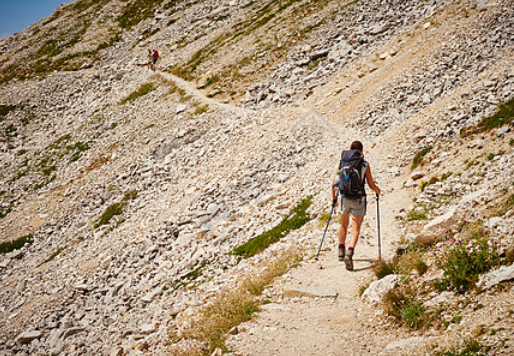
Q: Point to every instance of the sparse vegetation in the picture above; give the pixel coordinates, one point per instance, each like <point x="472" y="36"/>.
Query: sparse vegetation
<point x="8" y="246"/>
<point x="200" y="109"/>
<point x="503" y="116"/>
<point x="143" y="90"/>
<point x="115" y="209"/>
<point x="418" y="159"/>
<point x="296" y="218"/>
<point x="233" y="307"/>
<point x="4" y="211"/>
<point x="137" y="11"/>
<point x="505" y="206"/>
<point x="402" y="264"/>
<point x="54" y="255"/>
<point x="469" y="347"/>
<point x="6" y="109"/>
<point x="403" y="305"/>
<point x="467" y="260"/>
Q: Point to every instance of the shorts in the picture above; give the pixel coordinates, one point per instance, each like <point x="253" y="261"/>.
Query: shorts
<point x="154" y="60"/>
<point x="353" y="206"/>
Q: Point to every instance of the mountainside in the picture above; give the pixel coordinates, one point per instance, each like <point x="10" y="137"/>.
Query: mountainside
<point x="130" y="199"/>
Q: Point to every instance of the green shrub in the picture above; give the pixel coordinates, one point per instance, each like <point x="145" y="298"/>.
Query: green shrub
<point x="296" y="218"/>
<point x="418" y="159"/>
<point x="9" y="246"/>
<point x="466" y="261"/>
<point x="402" y="304"/>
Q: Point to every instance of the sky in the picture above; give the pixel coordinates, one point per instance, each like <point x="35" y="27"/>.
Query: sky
<point x="16" y="15"/>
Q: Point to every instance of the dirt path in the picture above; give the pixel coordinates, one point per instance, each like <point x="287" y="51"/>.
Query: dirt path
<point x="314" y="326"/>
<point x="344" y="325"/>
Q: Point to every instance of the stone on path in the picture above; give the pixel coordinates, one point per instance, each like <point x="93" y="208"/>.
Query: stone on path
<point x="493" y="278"/>
<point x="377" y="289"/>
<point x="404" y="343"/>
<point x="308" y="291"/>
<point x="27" y="336"/>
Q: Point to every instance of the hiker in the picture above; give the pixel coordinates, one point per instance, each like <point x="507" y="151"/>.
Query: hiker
<point x="149" y="59"/>
<point x="352" y="172"/>
<point x="155" y="57"/>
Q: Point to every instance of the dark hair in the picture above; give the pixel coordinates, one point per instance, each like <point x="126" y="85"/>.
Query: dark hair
<point x="357" y="145"/>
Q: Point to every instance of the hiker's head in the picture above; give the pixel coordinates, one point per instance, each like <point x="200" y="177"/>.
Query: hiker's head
<point x="357" y="145"/>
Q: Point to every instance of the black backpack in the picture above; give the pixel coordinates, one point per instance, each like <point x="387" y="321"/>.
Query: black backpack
<point x="351" y="177"/>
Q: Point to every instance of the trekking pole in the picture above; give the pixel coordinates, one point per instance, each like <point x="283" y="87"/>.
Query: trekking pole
<point x="326" y="227"/>
<point x="378" y="229"/>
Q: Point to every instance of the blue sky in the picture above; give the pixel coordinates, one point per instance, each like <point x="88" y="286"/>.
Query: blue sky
<point x="16" y="15"/>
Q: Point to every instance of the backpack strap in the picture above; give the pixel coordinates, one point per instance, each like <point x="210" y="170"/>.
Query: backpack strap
<point x="363" y="171"/>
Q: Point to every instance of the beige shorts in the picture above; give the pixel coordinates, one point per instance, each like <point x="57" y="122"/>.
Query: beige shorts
<point x="353" y="206"/>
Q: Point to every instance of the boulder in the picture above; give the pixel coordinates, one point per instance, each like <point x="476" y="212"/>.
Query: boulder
<point x="377" y="289"/>
<point x="435" y="230"/>
<point x="495" y="277"/>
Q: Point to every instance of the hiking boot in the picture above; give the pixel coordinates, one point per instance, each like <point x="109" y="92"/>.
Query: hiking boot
<point x="341" y="254"/>
<point x="348" y="260"/>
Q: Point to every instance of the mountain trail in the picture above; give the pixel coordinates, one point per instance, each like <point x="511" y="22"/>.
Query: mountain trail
<point x="315" y="326"/>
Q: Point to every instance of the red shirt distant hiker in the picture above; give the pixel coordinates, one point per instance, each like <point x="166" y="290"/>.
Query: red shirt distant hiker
<point x="155" y="57"/>
<point x="352" y="172"/>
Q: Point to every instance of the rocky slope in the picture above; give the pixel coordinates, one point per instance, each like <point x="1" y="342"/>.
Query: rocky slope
<point x="132" y="186"/>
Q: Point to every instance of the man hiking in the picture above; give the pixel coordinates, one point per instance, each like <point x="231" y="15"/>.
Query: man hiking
<point x="352" y="172"/>
<point x="155" y="57"/>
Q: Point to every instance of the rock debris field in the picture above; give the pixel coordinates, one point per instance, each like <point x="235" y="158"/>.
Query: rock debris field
<point x="129" y="189"/>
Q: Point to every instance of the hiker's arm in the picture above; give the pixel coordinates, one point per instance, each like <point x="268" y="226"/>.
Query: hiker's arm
<point x="334" y="196"/>
<point x="371" y="182"/>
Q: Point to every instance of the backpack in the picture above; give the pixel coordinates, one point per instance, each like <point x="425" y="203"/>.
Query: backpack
<point x="352" y="170"/>
<point x="155" y="55"/>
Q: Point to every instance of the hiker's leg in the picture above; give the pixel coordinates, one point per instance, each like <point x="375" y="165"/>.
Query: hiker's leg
<point x="343" y="228"/>
<point x="356" y="228"/>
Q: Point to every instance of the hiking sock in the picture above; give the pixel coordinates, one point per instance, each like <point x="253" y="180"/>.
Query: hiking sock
<point x="341" y="252"/>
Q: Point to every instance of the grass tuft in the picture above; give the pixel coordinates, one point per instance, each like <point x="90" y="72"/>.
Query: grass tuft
<point x="109" y="213"/>
<point x="143" y="90"/>
<point x="9" y="246"/>
<point x="296" y="218"/>
<point x="418" y="159"/>
<point x="503" y="116"/>
<point x="233" y="306"/>
<point x="402" y="304"/>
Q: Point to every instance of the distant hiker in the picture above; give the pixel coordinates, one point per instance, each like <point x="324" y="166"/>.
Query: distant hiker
<point x="149" y="59"/>
<point x="155" y="57"/>
<point x="352" y="172"/>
